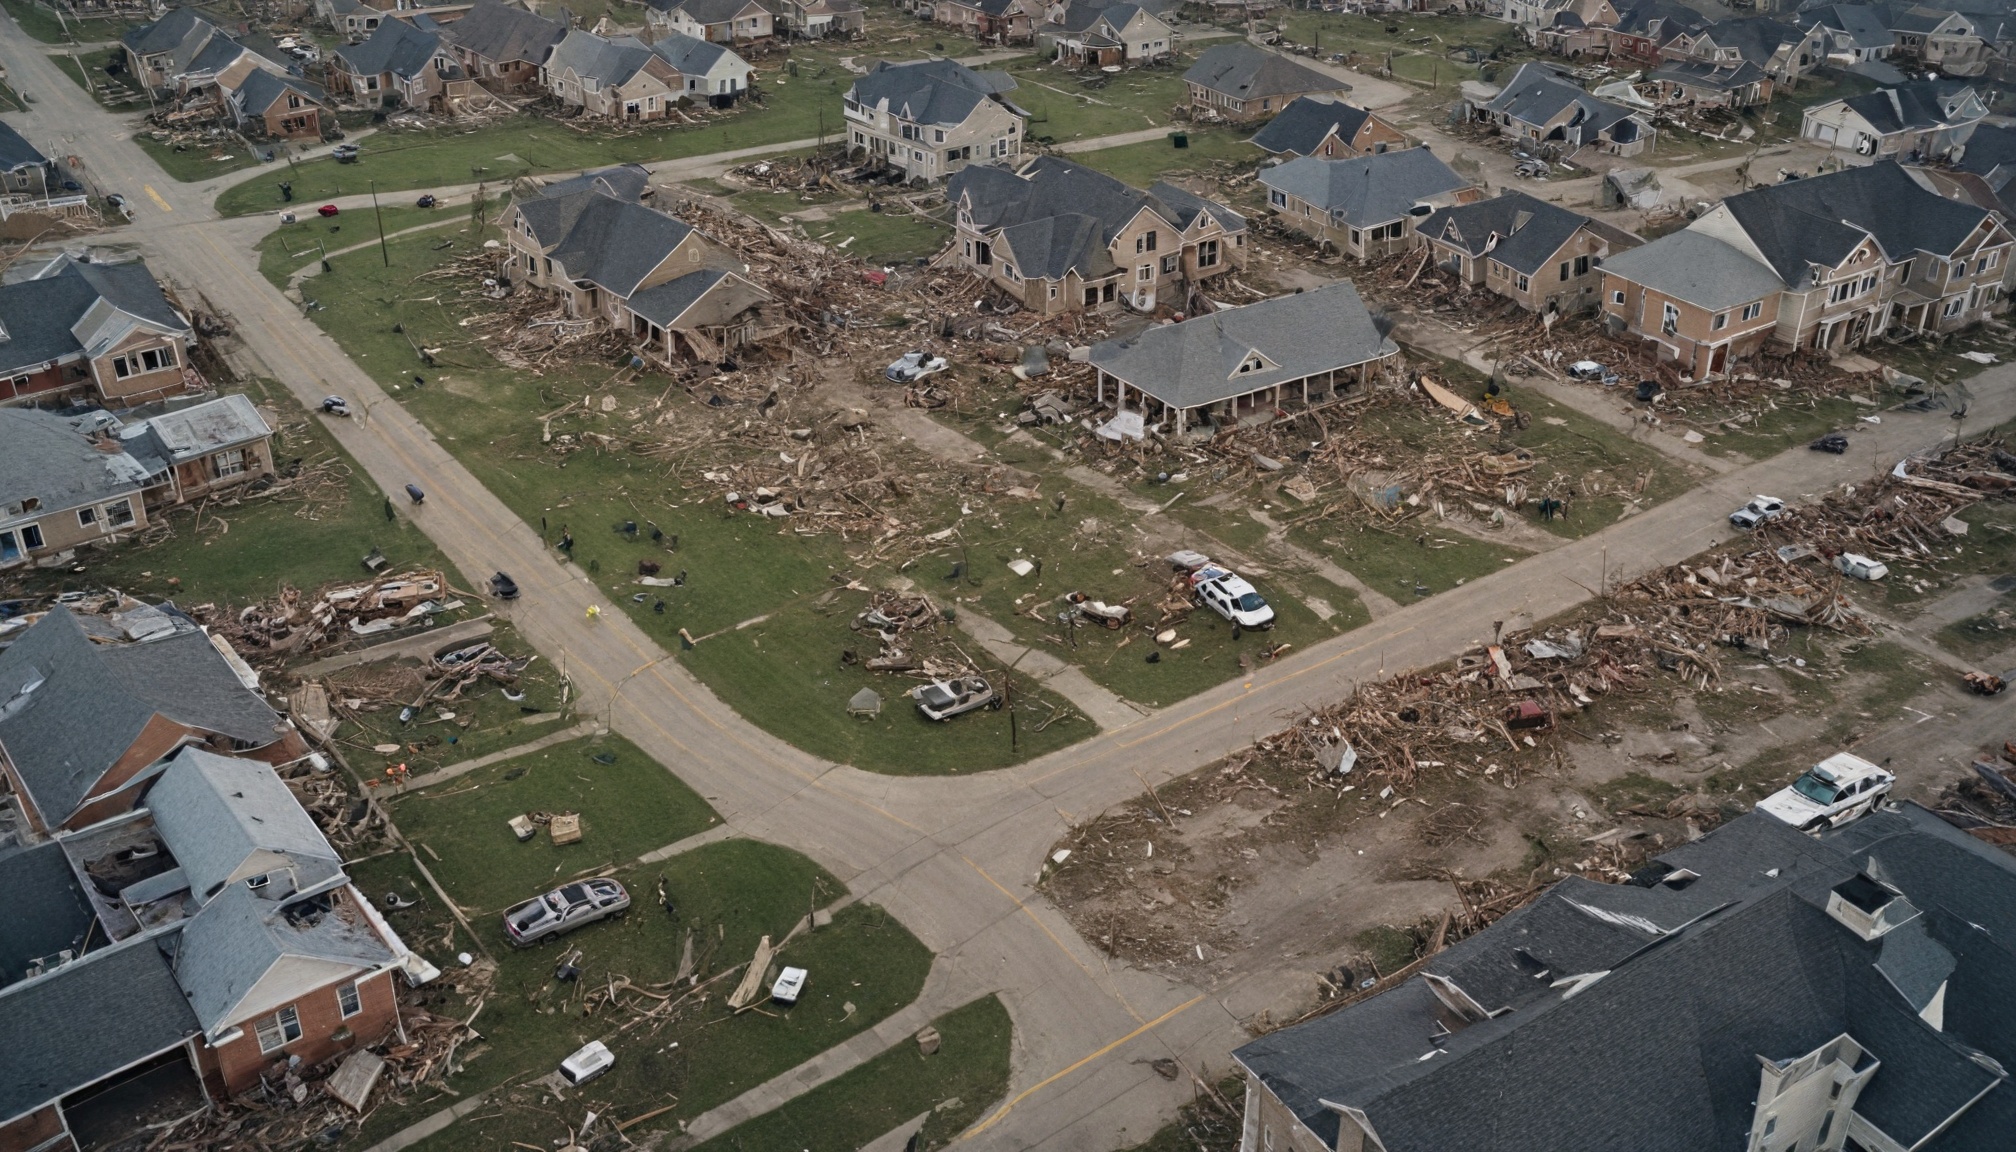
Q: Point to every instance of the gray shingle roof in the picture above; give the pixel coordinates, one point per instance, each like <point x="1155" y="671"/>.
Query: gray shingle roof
<point x="45" y="912"/>
<point x="1707" y="74"/>
<point x="90" y="702"/>
<point x="624" y="181"/>
<point x="226" y="820"/>
<point x="85" y="1021"/>
<point x="16" y="152"/>
<point x="592" y="57"/>
<point x="1912" y="107"/>
<point x="262" y="89"/>
<point x="1197" y="362"/>
<point x="1302" y="126"/>
<point x="1920" y="19"/>
<point x="704" y="11"/>
<point x="502" y="34"/>
<point x="239" y="937"/>
<point x="929" y="91"/>
<point x="1518" y="230"/>
<point x="1363" y="191"/>
<point x="1536" y="94"/>
<point x="1697" y="268"/>
<point x="37" y="315"/>
<point x="1757" y="38"/>
<point x="1058" y="215"/>
<point x="165" y="34"/>
<point x="1801" y="223"/>
<point x="1671" y="18"/>
<point x="691" y="55"/>
<point x="200" y="429"/>
<point x="1244" y="71"/>
<point x="395" y="47"/>
<point x="613" y="242"/>
<point x="708" y="297"/>
<point x="44" y="457"/>
<point x="1989" y="146"/>
<point x="1859" y="24"/>
<point x="1661" y="1054"/>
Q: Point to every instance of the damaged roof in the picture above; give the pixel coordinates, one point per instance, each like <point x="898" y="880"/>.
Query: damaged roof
<point x="1244" y="71"/>
<point x="708" y="298"/>
<point x="592" y="57"/>
<point x="1537" y="95"/>
<point x="929" y="91"/>
<point x="503" y="34"/>
<point x="1918" y="106"/>
<point x="262" y="89"/>
<point x="44" y="458"/>
<point x="1697" y="268"/>
<point x="596" y="236"/>
<point x="1818" y="221"/>
<point x="395" y="47"/>
<point x="244" y="955"/>
<point x="226" y="820"/>
<point x="1198" y="361"/>
<point x="1519" y="231"/>
<point x="200" y="429"/>
<point x="1365" y="190"/>
<point x="39" y="315"/>
<point x="1302" y="126"/>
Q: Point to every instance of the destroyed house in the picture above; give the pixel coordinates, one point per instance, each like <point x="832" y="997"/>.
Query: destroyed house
<point x="1855" y="32"/>
<point x="680" y="294"/>
<point x="1539" y="254"/>
<point x="716" y="21"/>
<point x="1922" y="121"/>
<point x="620" y="79"/>
<point x="198" y="946"/>
<point x="279" y="107"/>
<point x="1935" y="37"/>
<point x="502" y="47"/>
<point x="1539" y="106"/>
<point x="1643" y="27"/>
<point x="1758" y="988"/>
<point x="1779" y="50"/>
<point x="1318" y="126"/>
<point x="1270" y="356"/>
<point x="401" y="64"/>
<point x="818" y="19"/>
<point x="929" y="118"/>
<point x="1712" y="84"/>
<point x="91" y="706"/>
<point x="24" y="170"/>
<point x="82" y="330"/>
<point x="1242" y="81"/>
<point x="992" y="21"/>
<point x="1058" y="237"/>
<point x="189" y="56"/>
<point x="1091" y="35"/>
<point x="1365" y="206"/>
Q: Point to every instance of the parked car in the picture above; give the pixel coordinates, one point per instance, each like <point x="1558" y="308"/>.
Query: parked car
<point x="944" y="699"/>
<point x="1860" y="567"/>
<point x="912" y="366"/>
<point x="327" y="210"/>
<point x="1831" y="793"/>
<point x="588" y="1062"/>
<point x="564" y="909"/>
<point x="1226" y="593"/>
<point x="1757" y="511"/>
<point x="1835" y="442"/>
<point x="790" y="982"/>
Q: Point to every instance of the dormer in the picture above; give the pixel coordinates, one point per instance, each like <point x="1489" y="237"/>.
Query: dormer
<point x="1868" y="907"/>
<point x="1252" y="363"/>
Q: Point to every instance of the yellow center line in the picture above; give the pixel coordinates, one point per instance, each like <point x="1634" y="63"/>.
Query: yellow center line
<point x="1056" y="1076"/>
<point x="156" y="197"/>
<point x="1061" y="946"/>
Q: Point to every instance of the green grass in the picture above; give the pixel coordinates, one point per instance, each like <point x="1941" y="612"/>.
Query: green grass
<point x="1143" y="164"/>
<point x="728" y="894"/>
<point x="1062" y="107"/>
<point x="195" y="163"/>
<point x="628" y="807"/>
<point x="1989" y="634"/>
<point x="955" y="1085"/>
<point x="251" y="551"/>
<point x="42" y="23"/>
<point x="1788" y="422"/>
<point x="87" y="69"/>
<point x="1366" y="36"/>
<point x="875" y="237"/>
<point x="1408" y="560"/>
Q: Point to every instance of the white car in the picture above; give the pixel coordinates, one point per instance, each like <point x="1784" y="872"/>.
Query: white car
<point x="1225" y="593"/>
<point x="790" y="983"/>
<point x="944" y="699"/>
<point x="913" y="366"/>
<point x="1757" y="511"/>
<point x="1831" y="793"/>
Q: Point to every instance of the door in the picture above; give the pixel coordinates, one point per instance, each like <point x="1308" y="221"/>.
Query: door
<point x="10" y="548"/>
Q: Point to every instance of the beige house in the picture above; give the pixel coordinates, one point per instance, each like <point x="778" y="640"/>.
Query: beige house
<point x="502" y="47"/>
<point x="615" y="79"/>
<point x="1538" y="254"/>
<point x="1365" y="206"/>
<point x="79" y="330"/>
<point x="1702" y="302"/>
<point x="1089" y="35"/>
<point x="1319" y="126"/>
<point x="1060" y="237"/>
<point x="1241" y="81"/>
<point x="718" y="21"/>
<point x="930" y="118"/>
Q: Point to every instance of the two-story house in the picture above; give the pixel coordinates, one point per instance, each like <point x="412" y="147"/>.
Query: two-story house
<point x="1644" y="27"/>
<point x="279" y="107"/>
<point x="1060" y="237"/>
<point x="818" y="19"/>
<point x="1937" y="38"/>
<point x="1364" y="206"/>
<point x="1856" y="33"/>
<point x="1703" y="303"/>
<point x="1539" y="107"/>
<point x="930" y="118"/>
<point x="1093" y="35"/>
<point x="718" y="21"/>
<point x="991" y="21"/>
<point x="1540" y="255"/>
<point x="84" y="330"/>
<point x="709" y="73"/>
<point x="1318" y="126"/>
<point x="677" y="292"/>
<point x="1242" y="81"/>
<point x="620" y="79"/>
<point x="502" y="47"/>
<point x="1738" y="63"/>
<point x="1921" y="121"/>
<point x="402" y="64"/>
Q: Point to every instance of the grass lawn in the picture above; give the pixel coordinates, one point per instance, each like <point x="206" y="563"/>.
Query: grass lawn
<point x="1420" y="44"/>
<point x="248" y="552"/>
<point x="864" y="966"/>
<point x="1982" y="637"/>
<point x="628" y="807"/>
<point x="955" y="1085"/>
<point x="846" y="223"/>
<point x="189" y="164"/>
<point x="43" y="23"/>
<point x="1988" y="549"/>
<point x="117" y="93"/>
<point x="1785" y="423"/>
<point x="1064" y="105"/>
<point x="768" y="646"/>
<point x="1143" y="164"/>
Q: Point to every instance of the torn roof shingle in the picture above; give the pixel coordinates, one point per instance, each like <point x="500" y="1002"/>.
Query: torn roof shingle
<point x="1517" y="230"/>
<point x="229" y="948"/>
<point x="1537" y="94"/>
<point x="1364" y="191"/>
<point x="1302" y="126"/>
<point x="226" y="820"/>
<point x="1919" y="106"/>
<point x="1707" y="74"/>
<point x="929" y="91"/>
<point x="706" y="298"/>
<point x="1697" y="268"/>
<point x="1244" y="71"/>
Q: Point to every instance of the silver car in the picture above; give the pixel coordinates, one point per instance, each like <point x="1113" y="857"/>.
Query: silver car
<point x="944" y="699"/>
<point x="564" y="909"/>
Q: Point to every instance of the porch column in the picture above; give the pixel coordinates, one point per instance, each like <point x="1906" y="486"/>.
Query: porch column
<point x="1181" y="421"/>
<point x="1102" y="385"/>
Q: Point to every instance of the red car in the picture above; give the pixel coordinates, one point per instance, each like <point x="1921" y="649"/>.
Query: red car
<point x="326" y="210"/>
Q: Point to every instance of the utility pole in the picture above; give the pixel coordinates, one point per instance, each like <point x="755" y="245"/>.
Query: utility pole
<point x="383" y="252"/>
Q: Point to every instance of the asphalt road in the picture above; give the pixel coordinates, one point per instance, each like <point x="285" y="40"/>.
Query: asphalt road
<point x="955" y="859"/>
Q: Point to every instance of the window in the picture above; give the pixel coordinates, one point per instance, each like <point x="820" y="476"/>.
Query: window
<point x="119" y="515"/>
<point x="348" y="1002"/>
<point x="1868" y="282"/>
<point x="531" y="265"/>
<point x="1617" y="297"/>
<point x="1990" y="293"/>
<point x="1145" y="243"/>
<point x="1954" y="306"/>
<point x="937" y="135"/>
<point x="1981" y="265"/>
<point x="278" y="1030"/>
<point x="1770" y="1125"/>
<point x="1752" y="311"/>
<point x="1720" y="322"/>
<point x="968" y="249"/>
<point x="1008" y="270"/>
<point x="1564" y="269"/>
<point x="1904" y="274"/>
<point x="1053" y="291"/>
<point x="1826" y="1125"/>
<point x="31" y="536"/>
<point x="1520" y="281"/>
<point x="1169" y="265"/>
<point x="1144" y="273"/>
<point x="86" y="517"/>
<point x="1207" y="254"/>
<point x="1840" y="292"/>
<point x="1091" y="296"/>
<point x="1669" y="321"/>
<point x="229" y="462"/>
<point x="147" y="360"/>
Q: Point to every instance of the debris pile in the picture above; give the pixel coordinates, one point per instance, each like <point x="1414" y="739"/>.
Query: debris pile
<point x="291" y="625"/>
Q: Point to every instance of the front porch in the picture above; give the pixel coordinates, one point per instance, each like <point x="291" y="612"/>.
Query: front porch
<point x="1287" y="398"/>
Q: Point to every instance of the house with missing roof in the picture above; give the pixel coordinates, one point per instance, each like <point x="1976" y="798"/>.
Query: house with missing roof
<point x="1758" y="988"/>
<point x="1951" y="42"/>
<point x="678" y="293"/>
<point x="929" y="118"/>
<point x="1538" y="254"/>
<point x="1539" y="107"/>
<point x="1319" y="126"/>
<point x="197" y="68"/>
<point x="1094" y="35"/>
<point x="991" y="21"/>
<point x="1779" y="51"/>
<point x="818" y="19"/>
<point x="502" y="47"/>
<point x="85" y="481"/>
<point x="202" y="943"/>
<point x="402" y="65"/>
<point x="716" y="21"/>
<point x="84" y="330"/>
<point x="1921" y="121"/>
<point x="1364" y="206"/>
<point x="1281" y="354"/>
<point x="619" y="79"/>
<point x="1060" y="237"/>
<point x="1242" y="81"/>
<point x="1856" y="33"/>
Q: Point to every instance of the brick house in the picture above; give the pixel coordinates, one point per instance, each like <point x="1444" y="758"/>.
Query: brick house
<point x="403" y="63"/>
<point x="1365" y="206"/>
<point x="80" y="329"/>
<point x="279" y="108"/>
<point x="930" y="118"/>
<point x="1060" y="237"/>
<point x="502" y="47"/>
<point x="1242" y="81"/>
<point x="217" y="940"/>
<point x="1525" y="249"/>
<point x="1319" y="126"/>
